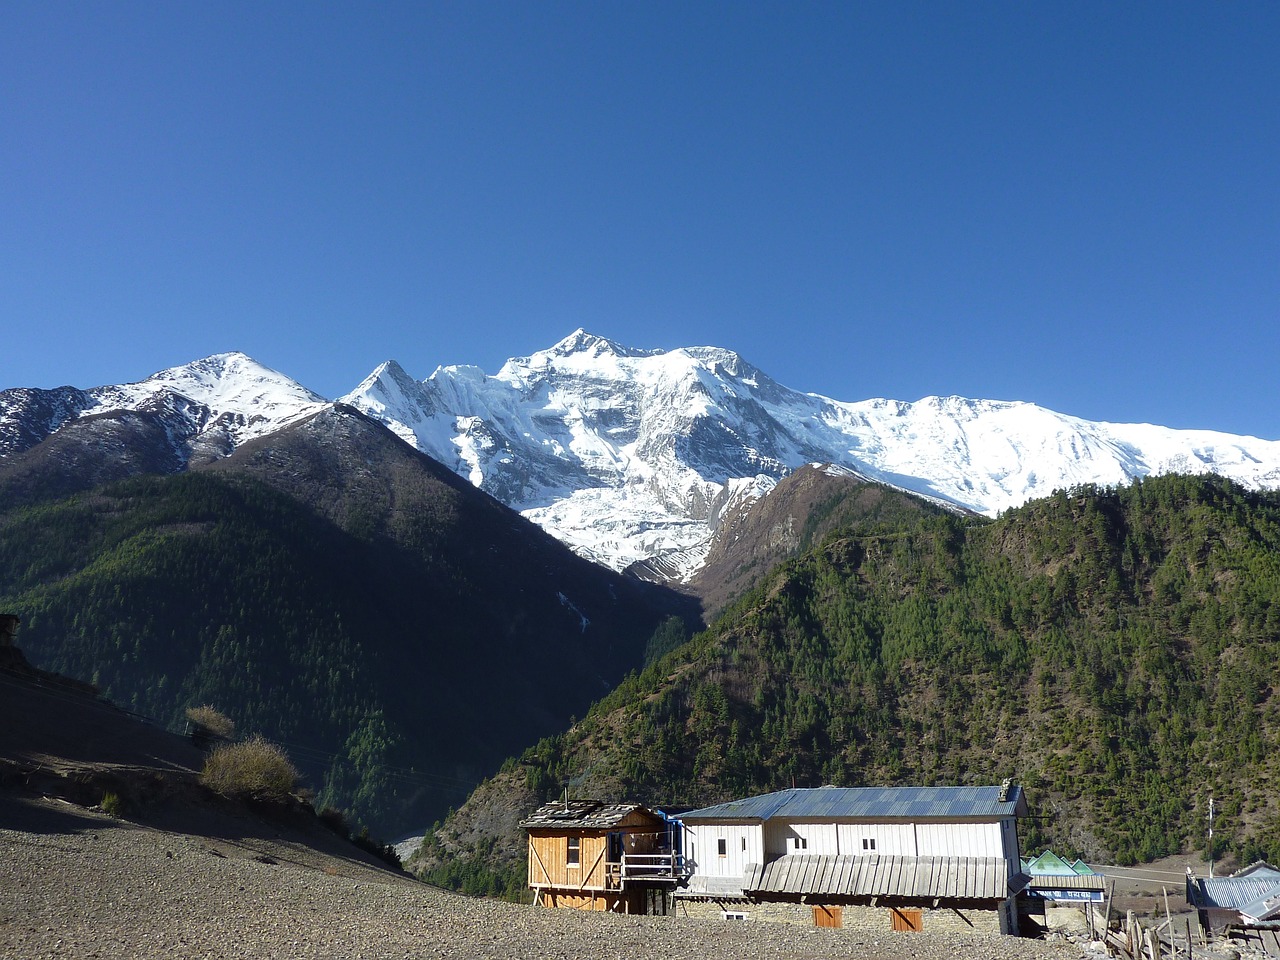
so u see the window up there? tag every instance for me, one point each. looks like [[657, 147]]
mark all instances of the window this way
[[744, 844], [574, 857], [799, 843], [734, 915], [722, 846], [868, 843]]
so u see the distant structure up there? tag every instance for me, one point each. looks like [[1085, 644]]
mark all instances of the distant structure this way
[[922, 859], [918, 859], [1056, 883], [1247, 900], [592, 855]]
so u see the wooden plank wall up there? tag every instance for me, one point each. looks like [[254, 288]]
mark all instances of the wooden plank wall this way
[[549, 867]]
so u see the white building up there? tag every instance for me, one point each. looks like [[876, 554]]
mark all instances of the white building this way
[[903, 858]]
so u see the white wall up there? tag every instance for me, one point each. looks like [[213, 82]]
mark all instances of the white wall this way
[[890, 839], [742, 845], [960, 840], [756, 843], [1011, 847]]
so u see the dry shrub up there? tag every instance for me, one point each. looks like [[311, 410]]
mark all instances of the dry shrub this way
[[254, 768], [211, 723]]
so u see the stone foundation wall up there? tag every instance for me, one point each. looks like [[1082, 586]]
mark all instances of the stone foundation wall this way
[[877, 919]]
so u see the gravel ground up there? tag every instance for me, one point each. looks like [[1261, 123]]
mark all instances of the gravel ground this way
[[75, 883]]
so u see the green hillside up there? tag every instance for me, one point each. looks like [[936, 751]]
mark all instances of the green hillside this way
[[399, 658], [1116, 652]]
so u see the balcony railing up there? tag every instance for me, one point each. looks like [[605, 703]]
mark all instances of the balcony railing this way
[[645, 866], [653, 866]]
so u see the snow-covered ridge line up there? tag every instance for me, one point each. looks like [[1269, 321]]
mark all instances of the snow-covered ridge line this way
[[214, 404], [633, 455]]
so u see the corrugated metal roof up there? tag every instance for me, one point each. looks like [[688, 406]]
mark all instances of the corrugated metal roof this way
[[581, 814], [1265, 911], [870, 803], [1249, 887], [845, 875], [1230, 893], [1049, 864]]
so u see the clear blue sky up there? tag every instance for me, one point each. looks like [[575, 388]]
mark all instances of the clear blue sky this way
[[1076, 204]]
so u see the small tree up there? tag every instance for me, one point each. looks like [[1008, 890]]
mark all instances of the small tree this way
[[253, 768]]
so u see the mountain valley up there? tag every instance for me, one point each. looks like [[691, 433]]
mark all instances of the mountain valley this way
[[764, 587]]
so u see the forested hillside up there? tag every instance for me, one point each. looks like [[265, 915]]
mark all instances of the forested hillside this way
[[397, 630], [1116, 652]]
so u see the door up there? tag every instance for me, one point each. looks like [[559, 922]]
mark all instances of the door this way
[[828, 916], [907, 920]]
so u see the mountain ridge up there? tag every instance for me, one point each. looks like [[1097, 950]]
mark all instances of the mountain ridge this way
[[635, 457], [1113, 651], [329, 586]]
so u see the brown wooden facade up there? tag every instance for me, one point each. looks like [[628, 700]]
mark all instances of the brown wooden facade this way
[[595, 856]]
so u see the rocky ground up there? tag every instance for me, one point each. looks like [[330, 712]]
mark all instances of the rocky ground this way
[[76, 883], [186, 874]]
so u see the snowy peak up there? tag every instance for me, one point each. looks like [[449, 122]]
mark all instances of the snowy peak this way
[[636, 455], [224, 382], [207, 407], [640, 456], [388, 385], [581, 342]]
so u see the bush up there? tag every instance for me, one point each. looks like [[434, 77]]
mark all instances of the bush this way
[[254, 768], [112, 805], [209, 724]]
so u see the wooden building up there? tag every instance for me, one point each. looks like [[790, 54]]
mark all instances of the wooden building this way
[[891, 858], [590, 855]]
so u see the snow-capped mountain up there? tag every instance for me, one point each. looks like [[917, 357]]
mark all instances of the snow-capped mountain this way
[[207, 407], [631, 454], [635, 455]]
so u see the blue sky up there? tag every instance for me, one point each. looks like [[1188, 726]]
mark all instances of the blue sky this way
[[1076, 204]]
